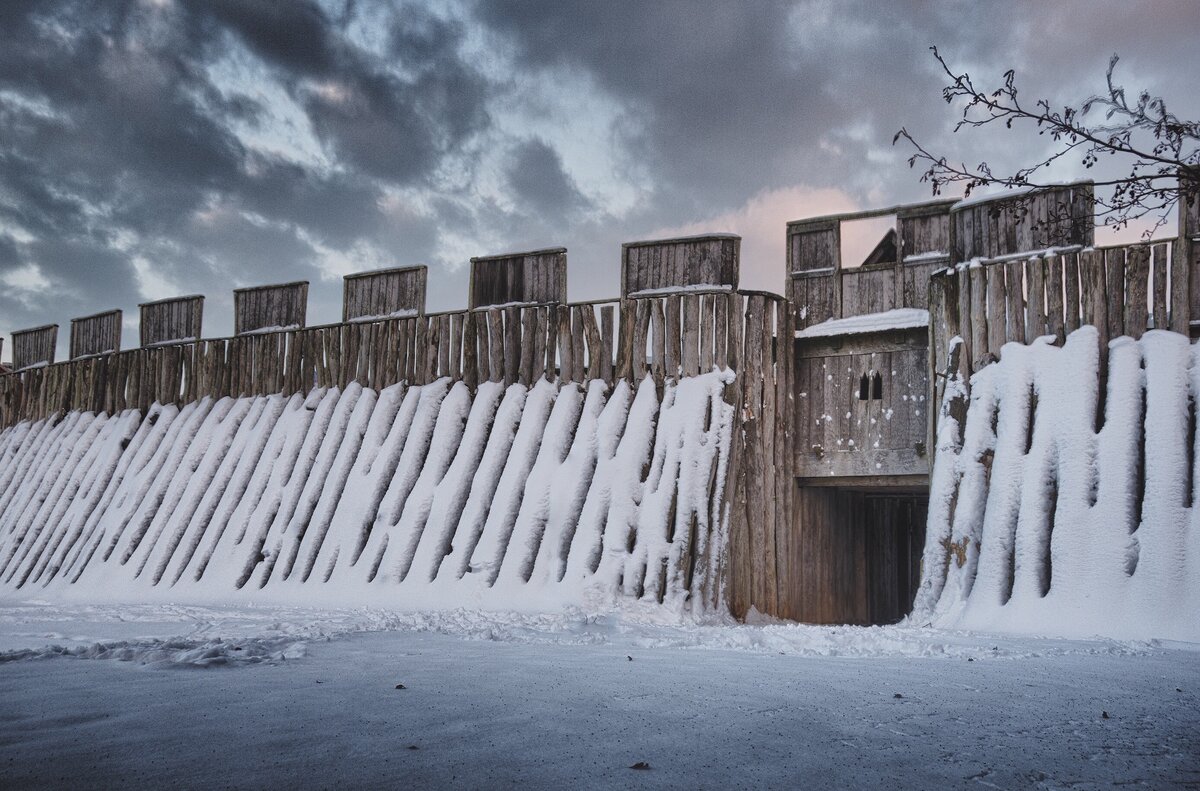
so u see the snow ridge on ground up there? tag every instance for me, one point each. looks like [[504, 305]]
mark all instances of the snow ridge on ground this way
[[433, 496]]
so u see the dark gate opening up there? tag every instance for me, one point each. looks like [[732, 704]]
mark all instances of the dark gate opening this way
[[861, 550]]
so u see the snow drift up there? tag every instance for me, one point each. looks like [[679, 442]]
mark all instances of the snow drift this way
[[1057, 510], [424, 496]]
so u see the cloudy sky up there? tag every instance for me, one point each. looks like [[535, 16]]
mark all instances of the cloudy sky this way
[[152, 148]]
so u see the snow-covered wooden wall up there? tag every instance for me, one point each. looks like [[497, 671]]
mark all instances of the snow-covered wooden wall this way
[[1059, 506], [428, 495]]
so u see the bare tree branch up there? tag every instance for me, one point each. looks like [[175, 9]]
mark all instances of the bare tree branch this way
[[1161, 151]]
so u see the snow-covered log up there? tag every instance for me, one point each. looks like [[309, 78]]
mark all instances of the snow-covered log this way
[[1056, 514]]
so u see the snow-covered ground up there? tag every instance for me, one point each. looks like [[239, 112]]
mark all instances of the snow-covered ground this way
[[289, 697]]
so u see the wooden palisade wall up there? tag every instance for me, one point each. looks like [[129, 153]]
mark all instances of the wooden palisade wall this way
[[697, 262], [171, 320], [994, 226], [384, 293], [1122, 290], [264, 307], [536, 277], [34, 346]]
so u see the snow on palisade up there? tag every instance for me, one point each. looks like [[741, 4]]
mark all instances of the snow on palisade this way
[[425, 497], [1064, 513]]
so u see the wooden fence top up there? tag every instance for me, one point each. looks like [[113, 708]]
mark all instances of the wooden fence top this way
[[292, 284], [536, 276], [169, 300], [100, 315], [42, 328]]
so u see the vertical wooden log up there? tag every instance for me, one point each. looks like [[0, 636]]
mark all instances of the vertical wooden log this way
[[658, 344], [484, 357], [578, 371], [550, 317], [1055, 307], [444, 346], [470, 351], [1014, 319], [640, 330], [1159, 299], [1114, 281], [691, 334], [625, 340], [707, 335], [457, 321], [565, 351], [997, 311], [1180, 318], [673, 338], [963, 276], [1035, 303], [720, 330], [496, 343], [512, 344], [595, 344], [607, 326], [979, 326], [538, 341], [1071, 291], [1137, 275], [528, 327]]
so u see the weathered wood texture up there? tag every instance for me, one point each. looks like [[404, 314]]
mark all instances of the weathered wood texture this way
[[759, 482], [96, 334], [536, 277], [708, 262], [281, 306], [1053, 217], [1188, 250], [857, 555], [35, 346], [822, 286], [171, 320], [385, 293], [574, 343], [862, 405], [1122, 290]]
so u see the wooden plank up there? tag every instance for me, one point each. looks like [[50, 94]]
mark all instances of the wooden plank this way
[[1071, 290], [1159, 298], [512, 345], [1114, 281], [691, 334], [596, 368], [1014, 304], [673, 338], [640, 331], [566, 349], [496, 348], [528, 328], [1035, 303], [978, 313], [997, 309], [538, 342], [552, 365], [1180, 315], [707, 333], [578, 371], [1137, 273], [607, 326], [1055, 305], [721, 331]]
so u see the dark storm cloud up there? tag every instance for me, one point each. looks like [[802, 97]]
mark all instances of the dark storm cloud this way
[[539, 183], [132, 131], [111, 125]]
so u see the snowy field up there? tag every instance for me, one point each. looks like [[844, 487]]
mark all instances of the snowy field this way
[[161, 696]]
